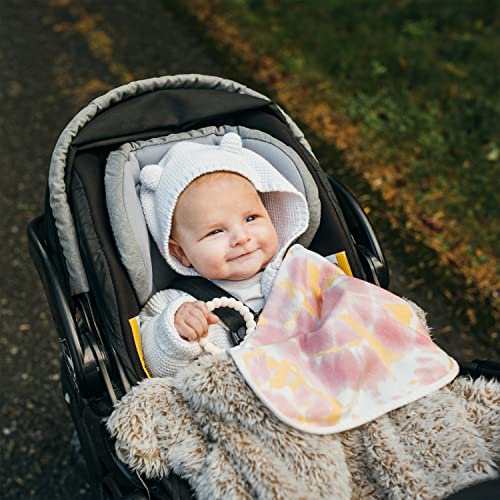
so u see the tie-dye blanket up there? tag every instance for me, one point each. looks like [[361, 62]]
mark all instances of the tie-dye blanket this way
[[332, 352]]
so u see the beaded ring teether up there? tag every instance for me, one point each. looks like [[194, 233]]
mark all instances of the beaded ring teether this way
[[238, 306]]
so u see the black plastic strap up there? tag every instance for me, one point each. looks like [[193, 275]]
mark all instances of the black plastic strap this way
[[481, 367], [205, 290]]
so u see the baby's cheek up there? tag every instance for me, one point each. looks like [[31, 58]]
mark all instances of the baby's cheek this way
[[273, 239], [214, 260]]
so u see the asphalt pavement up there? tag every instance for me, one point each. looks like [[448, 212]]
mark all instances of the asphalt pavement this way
[[56, 55]]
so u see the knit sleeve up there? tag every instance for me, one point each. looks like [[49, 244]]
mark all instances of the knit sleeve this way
[[165, 351]]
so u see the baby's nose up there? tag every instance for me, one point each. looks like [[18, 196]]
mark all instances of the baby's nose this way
[[240, 236]]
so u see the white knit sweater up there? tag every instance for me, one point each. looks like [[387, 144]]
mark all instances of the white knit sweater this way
[[165, 352]]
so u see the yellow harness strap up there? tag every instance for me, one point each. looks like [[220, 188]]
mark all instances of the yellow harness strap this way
[[138, 344]]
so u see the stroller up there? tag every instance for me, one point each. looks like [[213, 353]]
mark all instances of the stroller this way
[[97, 277]]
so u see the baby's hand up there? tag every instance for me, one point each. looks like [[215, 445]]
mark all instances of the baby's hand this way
[[192, 320]]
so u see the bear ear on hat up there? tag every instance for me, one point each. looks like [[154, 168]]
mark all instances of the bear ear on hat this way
[[150, 176], [231, 142]]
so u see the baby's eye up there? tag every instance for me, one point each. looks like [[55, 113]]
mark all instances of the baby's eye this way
[[251, 218], [215, 231]]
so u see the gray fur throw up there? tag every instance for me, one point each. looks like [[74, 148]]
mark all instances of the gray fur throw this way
[[208, 427]]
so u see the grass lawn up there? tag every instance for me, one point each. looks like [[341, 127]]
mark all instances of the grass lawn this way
[[421, 77], [420, 83]]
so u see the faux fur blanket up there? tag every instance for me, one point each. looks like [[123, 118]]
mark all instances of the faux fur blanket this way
[[332, 352], [208, 426]]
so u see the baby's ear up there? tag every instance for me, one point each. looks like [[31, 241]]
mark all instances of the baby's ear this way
[[176, 251], [150, 176]]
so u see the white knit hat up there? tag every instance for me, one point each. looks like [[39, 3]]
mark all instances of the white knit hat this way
[[163, 183]]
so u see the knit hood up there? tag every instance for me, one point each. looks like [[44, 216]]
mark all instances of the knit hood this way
[[163, 183]]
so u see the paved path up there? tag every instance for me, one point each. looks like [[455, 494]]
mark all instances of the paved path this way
[[49, 52], [54, 57]]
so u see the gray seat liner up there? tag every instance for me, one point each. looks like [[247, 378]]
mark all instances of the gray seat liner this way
[[147, 269]]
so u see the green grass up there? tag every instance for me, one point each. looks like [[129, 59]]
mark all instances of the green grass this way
[[421, 77]]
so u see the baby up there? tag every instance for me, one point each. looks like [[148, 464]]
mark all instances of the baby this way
[[221, 212], [222, 229]]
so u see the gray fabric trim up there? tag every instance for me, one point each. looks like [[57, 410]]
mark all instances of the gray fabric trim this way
[[120, 189], [297, 132], [58, 197], [125, 212]]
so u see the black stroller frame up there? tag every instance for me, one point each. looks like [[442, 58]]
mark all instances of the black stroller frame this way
[[99, 361]]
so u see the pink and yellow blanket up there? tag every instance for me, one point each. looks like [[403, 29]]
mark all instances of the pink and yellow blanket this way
[[332, 352]]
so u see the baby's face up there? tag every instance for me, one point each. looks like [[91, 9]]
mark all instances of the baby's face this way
[[222, 229]]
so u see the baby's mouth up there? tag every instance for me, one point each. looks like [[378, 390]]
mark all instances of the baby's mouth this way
[[242, 255]]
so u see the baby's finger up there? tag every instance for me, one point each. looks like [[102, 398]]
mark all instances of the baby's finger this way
[[206, 316], [197, 323], [187, 333], [212, 319], [202, 306]]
